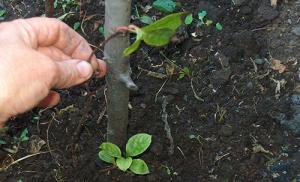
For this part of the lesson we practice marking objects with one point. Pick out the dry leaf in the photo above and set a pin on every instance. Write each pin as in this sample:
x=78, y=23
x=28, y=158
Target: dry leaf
x=277, y=66
x=170, y=69
x=274, y=3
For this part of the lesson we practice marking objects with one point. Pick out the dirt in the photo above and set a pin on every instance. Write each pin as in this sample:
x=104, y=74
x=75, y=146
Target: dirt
x=223, y=118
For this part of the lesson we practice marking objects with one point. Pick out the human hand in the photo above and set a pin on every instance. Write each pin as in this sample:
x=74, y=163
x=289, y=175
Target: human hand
x=37, y=55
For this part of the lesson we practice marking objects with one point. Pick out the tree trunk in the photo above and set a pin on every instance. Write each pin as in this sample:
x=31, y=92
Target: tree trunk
x=49, y=8
x=117, y=13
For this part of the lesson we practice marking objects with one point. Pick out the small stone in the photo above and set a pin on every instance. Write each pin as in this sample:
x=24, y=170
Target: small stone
x=296, y=30
x=35, y=144
x=295, y=99
x=259, y=61
x=161, y=70
x=226, y=130
x=289, y=21
x=250, y=85
x=143, y=105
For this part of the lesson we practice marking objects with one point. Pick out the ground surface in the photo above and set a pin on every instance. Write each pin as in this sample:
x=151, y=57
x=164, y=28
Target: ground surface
x=246, y=128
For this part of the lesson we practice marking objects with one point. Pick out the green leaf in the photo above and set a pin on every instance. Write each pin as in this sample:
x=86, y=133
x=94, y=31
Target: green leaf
x=101, y=30
x=76, y=25
x=188, y=19
x=123, y=163
x=139, y=166
x=167, y=6
x=111, y=149
x=133, y=47
x=138, y=144
x=158, y=37
x=2, y=142
x=208, y=22
x=103, y=155
x=202, y=14
x=219, y=26
x=172, y=22
x=64, y=16
x=146, y=19
x=55, y=4
x=24, y=135
x=2, y=12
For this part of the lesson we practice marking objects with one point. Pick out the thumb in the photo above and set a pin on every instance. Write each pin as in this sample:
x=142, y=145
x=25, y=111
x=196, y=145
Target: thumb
x=72, y=72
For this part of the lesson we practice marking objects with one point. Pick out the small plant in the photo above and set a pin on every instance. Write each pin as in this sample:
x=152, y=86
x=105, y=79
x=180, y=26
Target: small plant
x=135, y=146
x=184, y=72
x=202, y=20
x=2, y=14
x=167, y=6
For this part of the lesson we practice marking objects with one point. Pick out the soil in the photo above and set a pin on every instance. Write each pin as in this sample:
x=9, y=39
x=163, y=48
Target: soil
x=223, y=118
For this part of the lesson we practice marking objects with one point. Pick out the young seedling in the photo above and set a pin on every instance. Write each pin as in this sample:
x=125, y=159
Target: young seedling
x=135, y=146
x=2, y=14
x=202, y=20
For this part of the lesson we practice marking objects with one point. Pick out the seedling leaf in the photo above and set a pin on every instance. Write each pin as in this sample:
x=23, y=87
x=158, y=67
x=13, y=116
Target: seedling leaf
x=2, y=142
x=64, y=16
x=208, y=22
x=111, y=149
x=202, y=14
x=219, y=26
x=103, y=155
x=172, y=22
x=2, y=12
x=146, y=19
x=167, y=6
x=24, y=135
x=158, y=37
x=101, y=30
x=76, y=25
x=138, y=144
x=133, y=47
x=188, y=19
x=139, y=166
x=123, y=163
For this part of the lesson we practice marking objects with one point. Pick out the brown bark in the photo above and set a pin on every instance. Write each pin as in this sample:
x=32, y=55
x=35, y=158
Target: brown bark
x=117, y=13
x=49, y=8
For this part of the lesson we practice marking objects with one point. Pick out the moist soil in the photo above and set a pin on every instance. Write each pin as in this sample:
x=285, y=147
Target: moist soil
x=223, y=116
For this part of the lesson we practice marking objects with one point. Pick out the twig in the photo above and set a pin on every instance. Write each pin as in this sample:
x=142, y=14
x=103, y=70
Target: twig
x=181, y=152
x=156, y=95
x=164, y=117
x=21, y=159
x=194, y=92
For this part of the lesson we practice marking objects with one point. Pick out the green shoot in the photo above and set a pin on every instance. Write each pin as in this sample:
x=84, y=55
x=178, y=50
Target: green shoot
x=135, y=146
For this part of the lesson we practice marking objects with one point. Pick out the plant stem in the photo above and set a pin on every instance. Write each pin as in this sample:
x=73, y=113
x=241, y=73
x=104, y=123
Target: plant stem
x=49, y=8
x=117, y=13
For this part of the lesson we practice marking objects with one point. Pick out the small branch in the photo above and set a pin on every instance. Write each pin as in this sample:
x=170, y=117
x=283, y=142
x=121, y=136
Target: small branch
x=167, y=127
x=21, y=159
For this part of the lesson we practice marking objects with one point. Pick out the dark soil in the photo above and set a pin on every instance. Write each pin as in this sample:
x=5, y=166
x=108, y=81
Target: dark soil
x=215, y=138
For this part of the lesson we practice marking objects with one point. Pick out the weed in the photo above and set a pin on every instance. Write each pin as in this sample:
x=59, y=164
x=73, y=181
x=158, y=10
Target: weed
x=135, y=146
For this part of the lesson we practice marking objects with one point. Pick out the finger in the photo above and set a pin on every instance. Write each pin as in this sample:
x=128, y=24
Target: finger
x=102, y=69
x=72, y=72
x=51, y=100
x=45, y=32
x=54, y=53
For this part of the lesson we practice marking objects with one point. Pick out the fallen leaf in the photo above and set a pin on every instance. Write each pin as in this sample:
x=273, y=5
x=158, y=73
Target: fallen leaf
x=274, y=3
x=277, y=66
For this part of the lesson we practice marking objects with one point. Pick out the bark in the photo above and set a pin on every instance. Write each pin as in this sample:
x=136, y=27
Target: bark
x=49, y=8
x=117, y=13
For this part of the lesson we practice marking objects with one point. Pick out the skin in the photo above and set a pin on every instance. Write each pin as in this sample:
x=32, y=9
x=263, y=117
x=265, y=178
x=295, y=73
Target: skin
x=37, y=55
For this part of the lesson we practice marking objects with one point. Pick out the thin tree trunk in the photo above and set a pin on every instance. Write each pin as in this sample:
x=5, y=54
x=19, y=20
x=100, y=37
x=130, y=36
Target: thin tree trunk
x=117, y=13
x=49, y=8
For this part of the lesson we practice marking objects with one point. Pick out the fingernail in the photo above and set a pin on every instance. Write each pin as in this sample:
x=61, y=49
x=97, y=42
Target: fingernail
x=85, y=70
